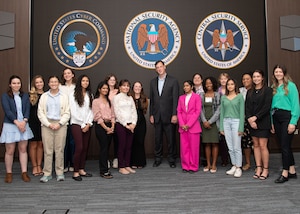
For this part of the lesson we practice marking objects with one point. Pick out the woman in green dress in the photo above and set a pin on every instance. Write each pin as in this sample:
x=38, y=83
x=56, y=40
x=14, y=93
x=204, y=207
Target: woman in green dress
x=210, y=122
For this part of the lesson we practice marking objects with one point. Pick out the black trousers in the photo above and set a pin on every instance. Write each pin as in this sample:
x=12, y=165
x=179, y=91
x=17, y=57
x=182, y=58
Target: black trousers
x=169, y=130
x=281, y=119
x=104, y=140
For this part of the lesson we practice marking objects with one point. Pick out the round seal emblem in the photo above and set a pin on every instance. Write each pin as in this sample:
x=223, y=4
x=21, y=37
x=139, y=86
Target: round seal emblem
x=152, y=36
x=79, y=39
x=222, y=40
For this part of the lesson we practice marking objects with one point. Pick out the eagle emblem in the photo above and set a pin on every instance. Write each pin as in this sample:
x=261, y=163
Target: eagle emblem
x=223, y=40
x=156, y=41
x=79, y=39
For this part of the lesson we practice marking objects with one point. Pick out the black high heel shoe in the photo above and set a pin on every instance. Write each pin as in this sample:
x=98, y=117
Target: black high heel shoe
x=261, y=177
x=256, y=176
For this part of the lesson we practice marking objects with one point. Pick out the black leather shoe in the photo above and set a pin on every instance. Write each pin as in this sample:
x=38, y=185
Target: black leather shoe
x=106, y=175
x=172, y=165
x=281, y=179
x=292, y=175
x=77, y=178
x=185, y=171
x=86, y=175
x=156, y=163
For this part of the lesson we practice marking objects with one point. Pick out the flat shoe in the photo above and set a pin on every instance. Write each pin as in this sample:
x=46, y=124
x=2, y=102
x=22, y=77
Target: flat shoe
x=130, y=170
x=106, y=175
x=25, y=177
x=292, y=175
x=205, y=169
x=77, y=178
x=281, y=179
x=213, y=170
x=246, y=167
x=86, y=175
x=123, y=171
x=8, y=178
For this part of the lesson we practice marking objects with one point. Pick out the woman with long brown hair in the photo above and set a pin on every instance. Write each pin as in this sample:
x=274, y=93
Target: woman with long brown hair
x=36, y=144
x=258, y=105
x=285, y=109
x=138, y=156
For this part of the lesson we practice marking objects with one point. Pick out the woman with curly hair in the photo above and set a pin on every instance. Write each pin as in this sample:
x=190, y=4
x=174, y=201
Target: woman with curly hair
x=81, y=123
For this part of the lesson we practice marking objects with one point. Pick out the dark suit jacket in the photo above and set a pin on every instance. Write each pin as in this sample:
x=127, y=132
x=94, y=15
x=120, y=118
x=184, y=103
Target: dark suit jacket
x=10, y=109
x=165, y=106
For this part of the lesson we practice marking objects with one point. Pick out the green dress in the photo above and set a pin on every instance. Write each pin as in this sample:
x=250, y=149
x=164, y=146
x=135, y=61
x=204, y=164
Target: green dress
x=209, y=135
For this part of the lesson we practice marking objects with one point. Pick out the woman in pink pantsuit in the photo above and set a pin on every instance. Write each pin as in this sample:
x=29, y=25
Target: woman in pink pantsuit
x=188, y=113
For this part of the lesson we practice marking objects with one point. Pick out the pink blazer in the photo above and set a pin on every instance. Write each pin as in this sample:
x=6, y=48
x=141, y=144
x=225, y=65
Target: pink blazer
x=190, y=116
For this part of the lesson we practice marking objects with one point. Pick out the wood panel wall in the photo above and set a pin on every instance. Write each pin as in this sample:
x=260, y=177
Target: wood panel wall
x=291, y=59
x=16, y=60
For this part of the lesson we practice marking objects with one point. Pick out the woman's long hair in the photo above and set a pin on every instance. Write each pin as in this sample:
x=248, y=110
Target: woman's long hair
x=236, y=89
x=9, y=90
x=286, y=79
x=97, y=94
x=33, y=94
x=78, y=91
x=143, y=98
x=112, y=75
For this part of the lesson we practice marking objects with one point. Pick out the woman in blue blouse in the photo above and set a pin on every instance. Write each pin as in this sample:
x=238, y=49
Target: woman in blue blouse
x=16, y=108
x=285, y=110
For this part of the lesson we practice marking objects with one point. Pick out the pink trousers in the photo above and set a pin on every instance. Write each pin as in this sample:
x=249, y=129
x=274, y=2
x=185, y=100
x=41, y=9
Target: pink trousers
x=189, y=150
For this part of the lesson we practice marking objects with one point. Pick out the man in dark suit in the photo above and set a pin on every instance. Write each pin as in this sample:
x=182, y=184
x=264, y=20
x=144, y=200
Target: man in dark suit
x=164, y=93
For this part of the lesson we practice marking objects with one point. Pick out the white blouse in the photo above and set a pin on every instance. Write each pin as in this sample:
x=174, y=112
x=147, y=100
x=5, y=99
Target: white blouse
x=124, y=108
x=81, y=115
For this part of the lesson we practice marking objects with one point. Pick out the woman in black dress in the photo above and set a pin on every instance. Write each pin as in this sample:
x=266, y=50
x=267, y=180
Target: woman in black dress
x=138, y=156
x=36, y=145
x=258, y=105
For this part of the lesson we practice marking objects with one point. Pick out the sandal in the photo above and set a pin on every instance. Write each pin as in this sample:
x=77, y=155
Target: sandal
x=262, y=177
x=35, y=173
x=256, y=176
x=246, y=167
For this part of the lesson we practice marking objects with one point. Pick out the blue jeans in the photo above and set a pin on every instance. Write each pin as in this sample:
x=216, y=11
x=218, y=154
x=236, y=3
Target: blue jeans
x=233, y=140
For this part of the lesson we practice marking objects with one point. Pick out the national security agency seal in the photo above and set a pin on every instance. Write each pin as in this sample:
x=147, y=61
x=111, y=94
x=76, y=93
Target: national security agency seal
x=79, y=40
x=222, y=40
x=152, y=36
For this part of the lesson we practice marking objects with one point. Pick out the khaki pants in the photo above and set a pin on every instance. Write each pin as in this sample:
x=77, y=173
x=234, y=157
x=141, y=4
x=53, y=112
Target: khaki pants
x=54, y=142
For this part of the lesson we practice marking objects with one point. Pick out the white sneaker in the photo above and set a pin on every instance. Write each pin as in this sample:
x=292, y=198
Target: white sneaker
x=108, y=164
x=71, y=169
x=238, y=172
x=115, y=163
x=231, y=171
x=66, y=169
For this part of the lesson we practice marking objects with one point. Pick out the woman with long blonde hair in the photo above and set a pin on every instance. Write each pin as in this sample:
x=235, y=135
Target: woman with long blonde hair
x=36, y=144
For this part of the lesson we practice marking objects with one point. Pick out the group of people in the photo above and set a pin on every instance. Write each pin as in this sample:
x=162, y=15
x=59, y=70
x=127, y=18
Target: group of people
x=225, y=118
x=59, y=121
